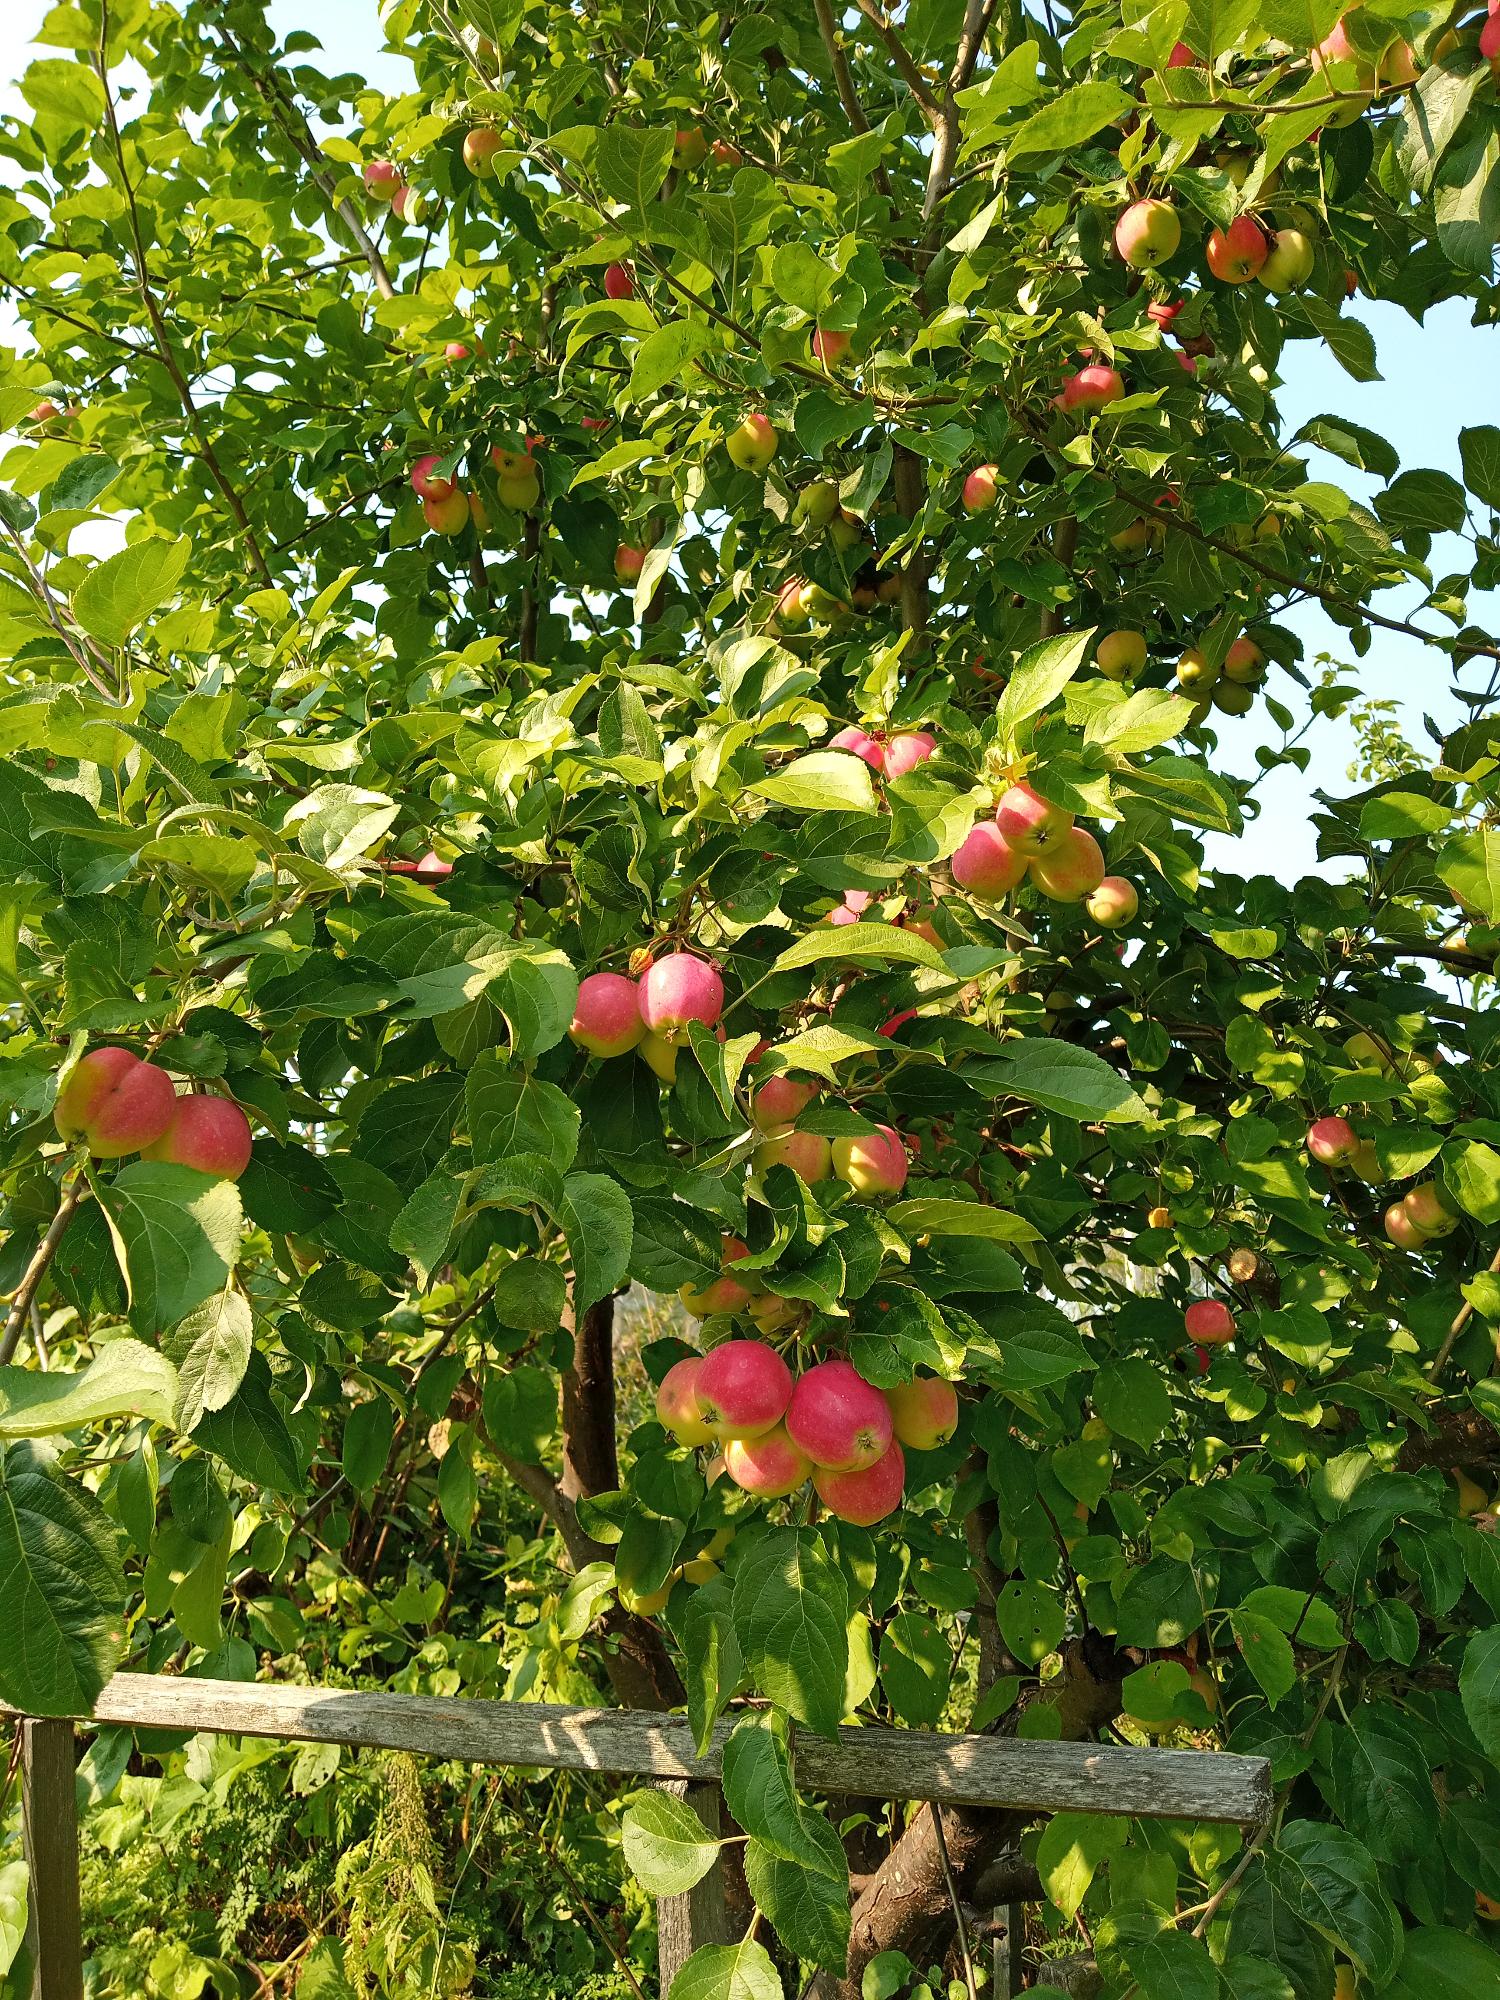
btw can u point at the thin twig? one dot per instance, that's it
(1464, 1315)
(36, 1270)
(952, 1888)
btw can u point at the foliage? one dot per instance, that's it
(325, 796)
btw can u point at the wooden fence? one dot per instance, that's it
(869, 1763)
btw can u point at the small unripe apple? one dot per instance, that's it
(520, 491)
(1366, 1053)
(752, 443)
(1400, 1228)
(646, 1603)
(903, 753)
(659, 1055)
(1114, 903)
(774, 1314)
(1030, 823)
(924, 1413)
(1332, 1140)
(410, 205)
(1209, 1322)
(1364, 1162)
(678, 989)
(808, 1155)
(1120, 655)
(449, 516)
(770, 1466)
(607, 1017)
(46, 412)
(1290, 262)
(619, 281)
(382, 180)
(1071, 870)
(817, 504)
(210, 1134)
(1092, 388)
(116, 1103)
(863, 1498)
(480, 147)
(1358, 81)
(1245, 662)
(780, 1102)
(981, 489)
(1430, 1209)
(874, 1163)
(677, 1406)
(830, 347)
(1194, 673)
(1233, 697)
(425, 483)
(479, 514)
(1147, 234)
(860, 743)
(840, 1420)
(724, 1294)
(1236, 254)
(987, 865)
(792, 609)
(744, 1388)
(690, 148)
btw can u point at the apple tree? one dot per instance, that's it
(618, 668)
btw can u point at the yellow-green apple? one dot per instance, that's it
(808, 1155)
(426, 483)
(677, 990)
(780, 1102)
(1071, 870)
(792, 608)
(115, 1103)
(1233, 697)
(770, 1466)
(772, 1313)
(924, 1413)
(1332, 1140)
(1194, 672)
(410, 205)
(479, 514)
(1031, 824)
(677, 1407)
(817, 504)
(752, 443)
(619, 281)
(449, 516)
(1158, 1218)
(1430, 1209)
(1114, 903)
(211, 1134)
(1365, 1052)
(1119, 655)
(646, 1603)
(860, 743)
(904, 752)
(382, 180)
(981, 489)
(1347, 72)
(521, 491)
(874, 1163)
(987, 865)
(846, 531)
(1132, 538)
(480, 147)
(1400, 1228)
(607, 1016)
(1364, 1162)
(1209, 1322)
(830, 347)
(659, 1055)
(689, 148)
(1092, 388)
(865, 1497)
(724, 1294)
(1236, 254)
(743, 1388)
(1147, 234)
(840, 1420)
(1289, 264)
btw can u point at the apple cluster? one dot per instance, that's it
(1031, 837)
(1423, 1212)
(652, 1015)
(448, 509)
(827, 1424)
(115, 1104)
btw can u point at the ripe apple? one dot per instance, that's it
(1245, 662)
(1114, 903)
(808, 1154)
(449, 516)
(677, 1406)
(456, 351)
(426, 484)
(1209, 1322)
(1119, 655)
(840, 1420)
(629, 562)
(903, 753)
(1147, 234)
(863, 1498)
(1071, 871)
(1400, 1228)
(830, 347)
(1489, 48)
(1031, 824)
(678, 989)
(115, 1102)
(924, 1413)
(780, 1102)
(724, 1294)
(987, 865)
(770, 1466)
(743, 1387)
(1290, 263)
(411, 206)
(1092, 388)
(1430, 1209)
(211, 1134)
(1181, 57)
(1358, 80)
(792, 607)
(726, 153)
(659, 1055)
(1162, 312)
(752, 443)
(852, 910)
(619, 281)
(383, 180)
(690, 148)
(1194, 674)
(1236, 254)
(607, 1016)
(875, 1163)
(480, 147)
(861, 744)
(981, 489)
(1332, 1140)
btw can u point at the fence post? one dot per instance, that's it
(684, 1924)
(49, 1813)
(1010, 1954)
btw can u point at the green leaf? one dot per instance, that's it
(1035, 1346)
(211, 1350)
(712, 1665)
(821, 781)
(1031, 1620)
(791, 1615)
(631, 165)
(667, 1848)
(1332, 1883)
(1266, 1651)
(1072, 1848)
(1439, 1964)
(935, 1216)
(808, 1908)
(1401, 816)
(1310, 1621)
(176, 1234)
(1071, 117)
(1039, 677)
(663, 356)
(1133, 1400)
(1471, 1173)
(1060, 1077)
(125, 1379)
(740, 1971)
(1480, 448)
(64, 1588)
(520, 1412)
(595, 1217)
(118, 595)
(915, 1667)
(251, 1436)
(1470, 865)
(859, 941)
(1433, 501)
(1159, 1604)
(1479, 1688)
(66, 91)
(1174, 1966)
(368, 1433)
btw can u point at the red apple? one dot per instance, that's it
(724, 1294)
(830, 347)
(863, 1498)
(903, 753)
(619, 281)
(448, 516)
(1162, 312)
(425, 484)
(1237, 253)
(770, 1466)
(987, 865)
(861, 744)
(1332, 1141)
(480, 147)
(629, 562)
(382, 180)
(1429, 1208)
(1209, 1322)
(726, 153)
(872, 1164)
(807, 1154)
(780, 1102)
(1181, 57)
(924, 1413)
(678, 989)
(744, 1388)
(607, 1017)
(1400, 1228)
(116, 1103)
(1031, 824)
(689, 148)
(211, 1134)
(981, 489)
(752, 443)
(1092, 388)
(840, 1420)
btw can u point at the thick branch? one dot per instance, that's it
(590, 1462)
(901, 56)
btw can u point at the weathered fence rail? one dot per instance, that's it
(864, 1762)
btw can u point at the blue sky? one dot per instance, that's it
(1437, 378)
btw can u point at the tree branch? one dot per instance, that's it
(36, 1270)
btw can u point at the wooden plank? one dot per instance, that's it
(684, 1924)
(1009, 1972)
(867, 1763)
(50, 1830)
